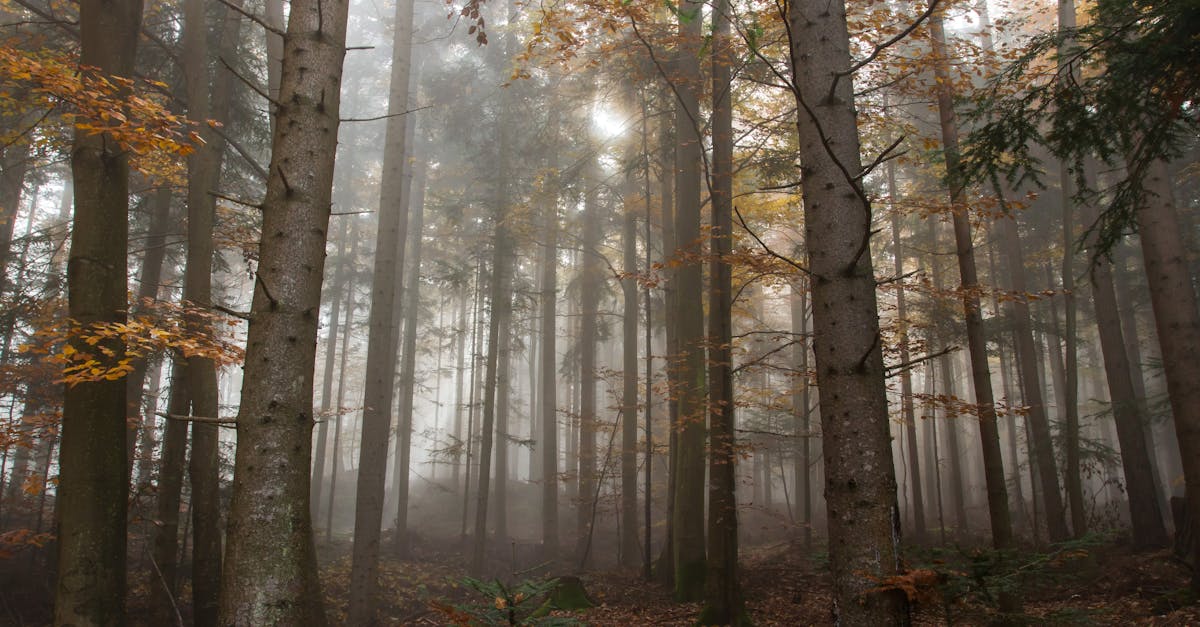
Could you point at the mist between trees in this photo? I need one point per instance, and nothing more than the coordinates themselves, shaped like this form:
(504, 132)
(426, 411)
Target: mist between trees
(312, 309)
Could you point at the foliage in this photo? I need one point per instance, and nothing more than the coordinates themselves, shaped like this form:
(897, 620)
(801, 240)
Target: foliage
(48, 80)
(979, 576)
(85, 352)
(505, 605)
(1121, 88)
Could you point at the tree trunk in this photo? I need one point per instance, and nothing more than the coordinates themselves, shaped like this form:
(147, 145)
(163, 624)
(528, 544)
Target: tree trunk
(802, 469)
(549, 375)
(1026, 352)
(347, 324)
(170, 484)
(630, 556)
(93, 484)
(408, 365)
(723, 597)
(270, 569)
(331, 345)
(687, 520)
(993, 464)
(907, 412)
(1178, 324)
(378, 389)
(591, 282)
(860, 484)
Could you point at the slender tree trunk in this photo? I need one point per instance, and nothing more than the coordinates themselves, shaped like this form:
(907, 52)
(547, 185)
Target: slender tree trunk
(1026, 352)
(993, 464)
(408, 365)
(382, 340)
(860, 484)
(549, 375)
(331, 344)
(170, 484)
(148, 283)
(669, 174)
(591, 282)
(270, 569)
(630, 556)
(501, 300)
(204, 167)
(907, 411)
(801, 410)
(347, 324)
(93, 484)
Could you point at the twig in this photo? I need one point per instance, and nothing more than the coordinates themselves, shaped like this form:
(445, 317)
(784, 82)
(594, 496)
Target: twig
(201, 419)
(384, 117)
(244, 203)
(767, 248)
(892, 371)
(248, 83)
(253, 18)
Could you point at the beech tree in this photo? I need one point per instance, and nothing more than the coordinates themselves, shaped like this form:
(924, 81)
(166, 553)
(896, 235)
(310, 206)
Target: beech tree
(94, 473)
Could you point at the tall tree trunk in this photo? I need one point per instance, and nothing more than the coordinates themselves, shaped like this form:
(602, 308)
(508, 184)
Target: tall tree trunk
(802, 470)
(382, 341)
(860, 484)
(347, 324)
(1144, 514)
(591, 283)
(669, 173)
(723, 597)
(687, 519)
(908, 414)
(270, 569)
(993, 464)
(549, 375)
(1178, 323)
(1043, 450)
(149, 279)
(204, 166)
(630, 556)
(408, 365)
(93, 484)
(501, 301)
(331, 345)
(170, 484)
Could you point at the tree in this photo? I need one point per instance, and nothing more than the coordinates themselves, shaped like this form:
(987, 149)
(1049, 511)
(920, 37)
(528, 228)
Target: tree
(860, 484)
(723, 598)
(93, 482)
(390, 242)
(270, 568)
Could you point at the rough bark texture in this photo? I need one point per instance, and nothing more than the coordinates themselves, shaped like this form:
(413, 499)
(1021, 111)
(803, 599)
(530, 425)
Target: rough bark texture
(1178, 325)
(270, 568)
(390, 242)
(94, 479)
(993, 464)
(860, 484)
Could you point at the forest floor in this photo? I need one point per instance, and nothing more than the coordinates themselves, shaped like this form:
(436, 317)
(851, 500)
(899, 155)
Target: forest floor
(1101, 584)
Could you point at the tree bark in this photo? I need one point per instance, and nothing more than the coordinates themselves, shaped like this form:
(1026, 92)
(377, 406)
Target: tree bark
(723, 597)
(993, 464)
(93, 487)
(270, 570)
(1178, 323)
(860, 484)
(382, 340)
(630, 556)
(591, 282)
(687, 519)
(549, 375)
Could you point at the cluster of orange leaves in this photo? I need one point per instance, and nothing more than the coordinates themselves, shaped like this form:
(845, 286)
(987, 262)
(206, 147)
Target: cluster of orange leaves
(91, 352)
(122, 108)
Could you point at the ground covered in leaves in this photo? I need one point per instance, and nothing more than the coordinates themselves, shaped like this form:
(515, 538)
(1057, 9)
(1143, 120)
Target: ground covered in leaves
(1100, 583)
